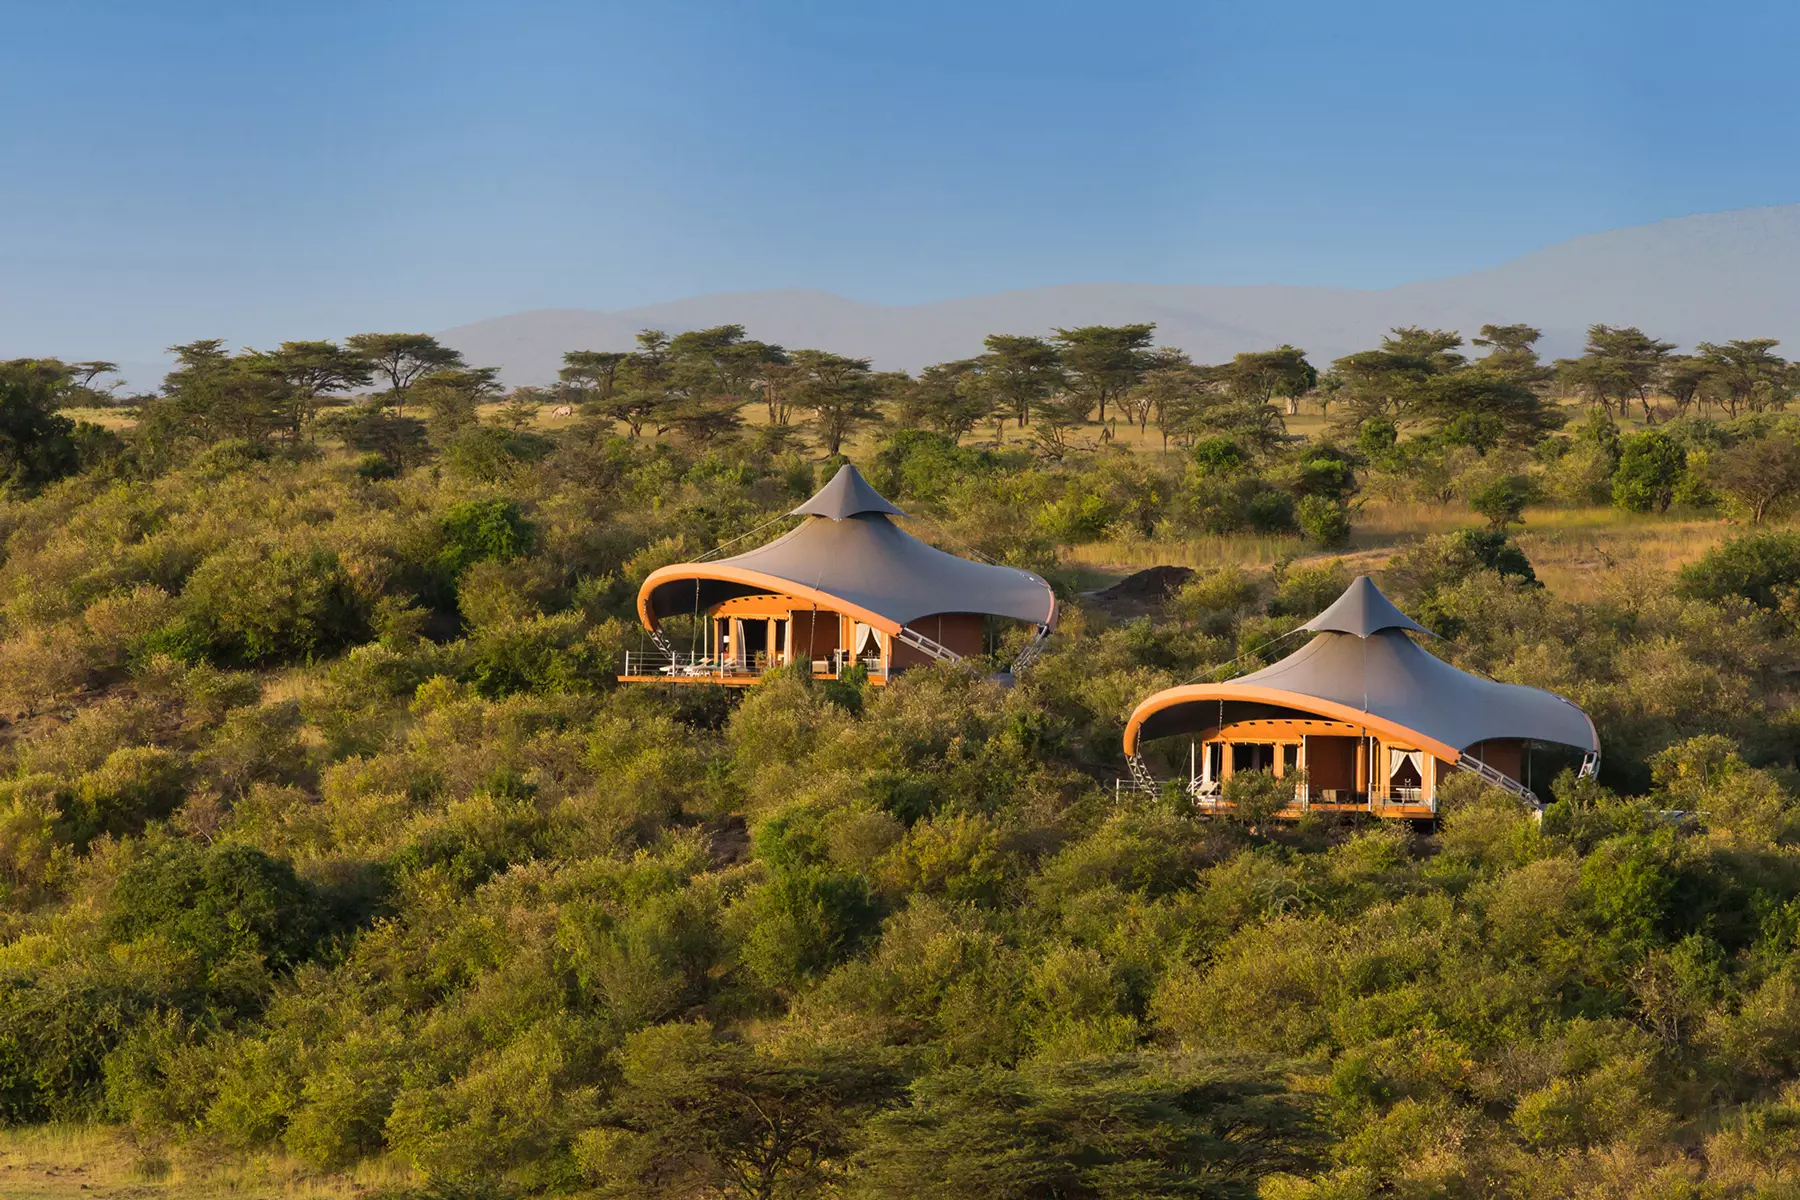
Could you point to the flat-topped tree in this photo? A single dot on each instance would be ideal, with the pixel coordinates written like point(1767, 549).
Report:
point(315, 369)
point(1021, 372)
point(212, 395)
point(950, 398)
point(1512, 353)
point(840, 393)
point(1264, 375)
point(595, 371)
point(1619, 365)
point(401, 359)
point(1747, 374)
point(1103, 361)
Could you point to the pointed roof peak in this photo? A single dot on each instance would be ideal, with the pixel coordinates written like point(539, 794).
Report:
point(847, 495)
point(1363, 610)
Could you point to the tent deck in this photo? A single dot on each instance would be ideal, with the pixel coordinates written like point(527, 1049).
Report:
point(657, 667)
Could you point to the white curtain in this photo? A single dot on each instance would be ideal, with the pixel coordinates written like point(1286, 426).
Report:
point(1398, 758)
point(866, 639)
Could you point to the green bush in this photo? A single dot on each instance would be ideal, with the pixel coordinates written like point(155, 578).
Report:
point(1502, 500)
point(219, 903)
point(1651, 466)
point(477, 530)
point(1326, 522)
point(265, 602)
point(1762, 568)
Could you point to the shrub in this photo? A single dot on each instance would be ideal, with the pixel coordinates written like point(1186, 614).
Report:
point(1760, 567)
point(1270, 511)
point(1502, 501)
point(1256, 796)
point(1326, 522)
point(1218, 456)
point(804, 921)
point(265, 602)
point(1650, 469)
point(218, 903)
point(476, 530)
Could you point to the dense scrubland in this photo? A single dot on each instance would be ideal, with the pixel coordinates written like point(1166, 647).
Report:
point(328, 840)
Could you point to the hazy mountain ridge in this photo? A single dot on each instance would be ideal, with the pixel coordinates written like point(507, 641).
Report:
point(1686, 279)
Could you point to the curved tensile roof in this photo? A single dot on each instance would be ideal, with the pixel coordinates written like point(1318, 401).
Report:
point(1380, 679)
point(849, 557)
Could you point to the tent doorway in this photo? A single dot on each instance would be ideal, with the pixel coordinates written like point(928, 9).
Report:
point(1406, 771)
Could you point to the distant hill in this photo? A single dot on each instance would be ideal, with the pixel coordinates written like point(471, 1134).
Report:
point(1688, 279)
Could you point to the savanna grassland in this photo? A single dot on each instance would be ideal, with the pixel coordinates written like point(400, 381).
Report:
point(334, 861)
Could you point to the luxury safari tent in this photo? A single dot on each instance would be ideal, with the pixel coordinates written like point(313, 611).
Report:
point(1364, 717)
point(845, 586)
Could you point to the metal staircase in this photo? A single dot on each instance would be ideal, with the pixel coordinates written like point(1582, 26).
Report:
point(1032, 649)
point(924, 645)
point(1141, 778)
point(1505, 783)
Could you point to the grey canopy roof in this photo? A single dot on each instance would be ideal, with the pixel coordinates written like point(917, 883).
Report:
point(1363, 610)
point(848, 550)
point(1382, 673)
point(847, 495)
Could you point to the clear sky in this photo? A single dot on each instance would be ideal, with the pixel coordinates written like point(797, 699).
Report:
point(261, 169)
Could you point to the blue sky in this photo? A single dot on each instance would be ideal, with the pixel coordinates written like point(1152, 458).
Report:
point(259, 171)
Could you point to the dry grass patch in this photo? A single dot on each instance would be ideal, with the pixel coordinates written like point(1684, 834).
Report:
point(93, 1162)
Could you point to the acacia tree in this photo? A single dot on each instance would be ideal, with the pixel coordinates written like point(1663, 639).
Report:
point(1687, 378)
point(1512, 354)
point(1618, 366)
point(402, 358)
point(692, 1115)
point(711, 373)
point(314, 369)
point(839, 392)
point(1481, 408)
point(1178, 395)
point(950, 398)
point(36, 442)
point(593, 373)
point(1104, 361)
point(1263, 375)
point(1746, 374)
point(1021, 372)
point(212, 395)
point(638, 391)
point(454, 398)
point(1761, 474)
point(1387, 383)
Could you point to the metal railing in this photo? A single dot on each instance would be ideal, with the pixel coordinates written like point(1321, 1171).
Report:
point(681, 665)
point(1207, 795)
point(1505, 783)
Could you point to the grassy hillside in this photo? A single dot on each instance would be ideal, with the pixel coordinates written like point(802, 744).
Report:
point(335, 861)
